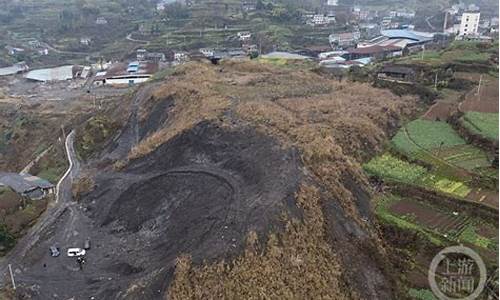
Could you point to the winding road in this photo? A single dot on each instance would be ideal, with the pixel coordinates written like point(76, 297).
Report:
point(52, 213)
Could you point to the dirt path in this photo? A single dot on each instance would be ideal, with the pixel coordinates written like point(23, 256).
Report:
point(129, 135)
point(34, 161)
point(53, 212)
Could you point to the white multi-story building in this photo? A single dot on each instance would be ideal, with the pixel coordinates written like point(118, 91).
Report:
point(469, 23)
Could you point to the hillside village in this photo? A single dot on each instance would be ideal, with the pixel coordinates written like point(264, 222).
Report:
point(349, 141)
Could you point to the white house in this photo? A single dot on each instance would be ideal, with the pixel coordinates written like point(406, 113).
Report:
point(85, 41)
point(43, 51)
point(101, 21)
point(320, 19)
point(244, 36)
point(180, 56)
point(469, 23)
point(207, 52)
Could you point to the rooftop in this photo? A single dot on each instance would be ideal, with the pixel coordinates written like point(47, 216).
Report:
point(122, 69)
point(374, 49)
point(408, 34)
point(51, 74)
point(23, 183)
point(284, 55)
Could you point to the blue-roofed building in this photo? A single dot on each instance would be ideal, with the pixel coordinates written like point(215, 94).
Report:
point(407, 41)
point(133, 67)
point(417, 37)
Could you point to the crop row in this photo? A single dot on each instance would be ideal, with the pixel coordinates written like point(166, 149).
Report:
point(392, 168)
point(485, 124)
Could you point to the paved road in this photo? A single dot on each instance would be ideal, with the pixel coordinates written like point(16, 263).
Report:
point(53, 212)
point(130, 38)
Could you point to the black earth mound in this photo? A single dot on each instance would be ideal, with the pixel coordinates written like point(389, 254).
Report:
point(199, 194)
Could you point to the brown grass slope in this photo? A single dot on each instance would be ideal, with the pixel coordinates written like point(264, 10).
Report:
point(332, 253)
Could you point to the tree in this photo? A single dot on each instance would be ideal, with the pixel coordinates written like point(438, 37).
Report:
point(260, 5)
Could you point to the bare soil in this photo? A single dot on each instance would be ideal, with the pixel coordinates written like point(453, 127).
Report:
point(487, 101)
point(253, 182)
point(440, 111)
point(427, 216)
point(487, 197)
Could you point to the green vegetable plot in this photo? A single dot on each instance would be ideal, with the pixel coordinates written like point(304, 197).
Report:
point(485, 124)
point(425, 135)
point(392, 168)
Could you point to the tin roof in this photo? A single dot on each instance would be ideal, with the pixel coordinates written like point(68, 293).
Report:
point(374, 49)
point(23, 183)
point(51, 74)
point(284, 55)
point(408, 34)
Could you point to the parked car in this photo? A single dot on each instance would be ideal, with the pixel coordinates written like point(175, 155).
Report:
point(76, 252)
point(54, 251)
point(86, 244)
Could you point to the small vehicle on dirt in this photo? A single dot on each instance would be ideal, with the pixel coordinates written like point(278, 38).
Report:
point(72, 252)
point(54, 251)
point(86, 244)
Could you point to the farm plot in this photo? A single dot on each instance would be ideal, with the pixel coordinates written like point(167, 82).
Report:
point(484, 124)
point(437, 144)
point(421, 135)
point(438, 224)
point(486, 197)
point(391, 168)
point(486, 101)
point(467, 157)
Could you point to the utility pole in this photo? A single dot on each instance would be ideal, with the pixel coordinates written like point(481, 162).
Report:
point(12, 277)
point(423, 51)
point(64, 133)
point(479, 87)
point(436, 81)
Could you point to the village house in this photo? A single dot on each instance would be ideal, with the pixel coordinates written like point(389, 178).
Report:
point(369, 30)
point(101, 21)
point(14, 50)
point(244, 36)
point(26, 185)
point(344, 39)
point(144, 55)
point(386, 22)
point(34, 44)
point(207, 52)
point(360, 13)
point(123, 74)
point(85, 41)
point(396, 74)
point(375, 51)
point(181, 56)
point(248, 5)
point(14, 69)
point(402, 13)
point(43, 51)
point(469, 24)
point(319, 20)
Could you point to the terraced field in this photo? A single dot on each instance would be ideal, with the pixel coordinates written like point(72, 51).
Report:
point(423, 135)
point(467, 157)
point(439, 225)
point(484, 124)
point(437, 144)
point(391, 168)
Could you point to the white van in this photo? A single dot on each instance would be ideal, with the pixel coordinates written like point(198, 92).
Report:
point(76, 252)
